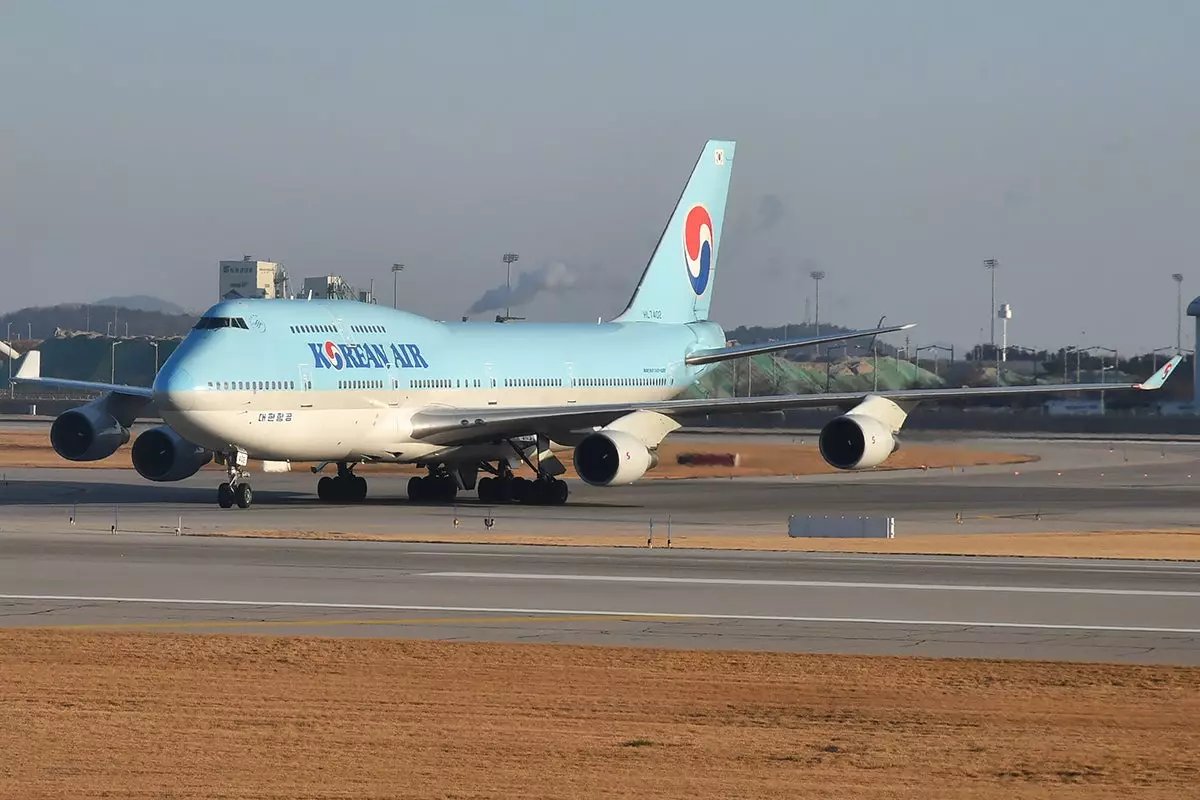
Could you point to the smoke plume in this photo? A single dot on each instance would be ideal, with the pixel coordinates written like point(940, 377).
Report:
point(553, 278)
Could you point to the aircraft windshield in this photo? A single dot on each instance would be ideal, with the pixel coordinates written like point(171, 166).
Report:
point(211, 323)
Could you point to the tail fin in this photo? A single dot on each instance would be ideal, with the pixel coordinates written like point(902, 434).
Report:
point(677, 284)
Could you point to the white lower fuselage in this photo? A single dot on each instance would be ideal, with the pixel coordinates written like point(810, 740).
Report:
point(290, 381)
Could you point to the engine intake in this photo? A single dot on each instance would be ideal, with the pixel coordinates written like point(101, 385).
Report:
point(160, 454)
point(856, 441)
point(612, 458)
point(87, 433)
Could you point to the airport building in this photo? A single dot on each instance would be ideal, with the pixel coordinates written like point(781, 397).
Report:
point(252, 278)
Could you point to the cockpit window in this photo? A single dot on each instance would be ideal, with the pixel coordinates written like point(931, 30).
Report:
point(212, 323)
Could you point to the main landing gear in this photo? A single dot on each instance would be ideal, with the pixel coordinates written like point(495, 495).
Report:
point(345, 487)
point(507, 488)
point(544, 490)
point(237, 488)
point(438, 486)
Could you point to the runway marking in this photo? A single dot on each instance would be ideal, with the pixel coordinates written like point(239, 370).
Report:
point(306, 623)
point(667, 616)
point(947, 587)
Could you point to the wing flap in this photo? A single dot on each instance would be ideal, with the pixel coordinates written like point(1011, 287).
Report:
point(744, 350)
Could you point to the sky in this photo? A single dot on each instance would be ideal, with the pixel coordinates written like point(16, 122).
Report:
point(894, 145)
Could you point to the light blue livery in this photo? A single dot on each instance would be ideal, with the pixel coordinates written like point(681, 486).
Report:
point(343, 383)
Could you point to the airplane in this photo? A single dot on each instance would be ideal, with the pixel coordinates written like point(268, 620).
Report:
point(337, 382)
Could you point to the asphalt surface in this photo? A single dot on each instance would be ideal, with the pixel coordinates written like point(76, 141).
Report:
point(1074, 486)
point(56, 573)
point(1122, 611)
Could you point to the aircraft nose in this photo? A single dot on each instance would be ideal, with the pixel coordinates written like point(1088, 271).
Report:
point(174, 389)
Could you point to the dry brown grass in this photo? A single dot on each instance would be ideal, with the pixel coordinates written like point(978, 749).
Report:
point(1161, 545)
point(24, 449)
point(86, 715)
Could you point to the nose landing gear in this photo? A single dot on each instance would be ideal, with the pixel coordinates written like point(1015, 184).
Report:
point(237, 488)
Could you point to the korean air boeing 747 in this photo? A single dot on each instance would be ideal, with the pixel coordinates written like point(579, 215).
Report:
point(344, 383)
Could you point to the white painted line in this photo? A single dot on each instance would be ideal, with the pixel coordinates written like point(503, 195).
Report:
point(663, 615)
point(922, 587)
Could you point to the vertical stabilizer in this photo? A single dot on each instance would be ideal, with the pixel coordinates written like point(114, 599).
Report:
point(677, 285)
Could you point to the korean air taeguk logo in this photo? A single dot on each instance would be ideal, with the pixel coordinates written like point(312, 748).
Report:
point(699, 244)
point(335, 358)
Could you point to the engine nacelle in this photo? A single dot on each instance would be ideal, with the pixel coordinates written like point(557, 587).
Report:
point(612, 458)
point(856, 441)
point(161, 454)
point(87, 433)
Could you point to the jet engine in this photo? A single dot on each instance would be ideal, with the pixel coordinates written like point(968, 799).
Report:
point(856, 441)
point(612, 458)
point(161, 454)
point(87, 433)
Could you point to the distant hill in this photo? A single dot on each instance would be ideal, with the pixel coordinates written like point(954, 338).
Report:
point(141, 302)
point(43, 323)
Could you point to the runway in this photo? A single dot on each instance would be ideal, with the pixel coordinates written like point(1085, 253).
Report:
point(77, 574)
point(1127, 611)
point(1074, 486)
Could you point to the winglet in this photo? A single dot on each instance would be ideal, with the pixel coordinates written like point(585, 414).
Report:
point(31, 367)
point(1156, 380)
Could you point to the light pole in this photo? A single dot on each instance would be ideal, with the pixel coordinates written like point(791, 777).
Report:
point(1178, 278)
point(990, 265)
point(8, 341)
point(112, 361)
point(509, 258)
point(817, 275)
point(154, 344)
point(396, 270)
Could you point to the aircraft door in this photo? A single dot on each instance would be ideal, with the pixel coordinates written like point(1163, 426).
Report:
point(305, 386)
point(572, 391)
point(490, 389)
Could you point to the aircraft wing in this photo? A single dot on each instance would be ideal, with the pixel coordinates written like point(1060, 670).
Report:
point(124, 402)
point(459, 426)
point(744, 350)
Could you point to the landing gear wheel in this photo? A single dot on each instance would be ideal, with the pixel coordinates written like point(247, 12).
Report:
point(432, 489)
point(558, 492)
point(326, 489)
point(225, 496)
point(416, 489)
point(244, 495)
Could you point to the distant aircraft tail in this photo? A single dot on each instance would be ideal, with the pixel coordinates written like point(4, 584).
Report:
point(677, 285)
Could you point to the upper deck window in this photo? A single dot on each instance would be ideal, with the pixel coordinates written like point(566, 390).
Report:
point(212, 323)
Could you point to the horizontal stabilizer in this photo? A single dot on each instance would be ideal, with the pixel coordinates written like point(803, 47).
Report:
point(8, 352)
point(745, 350)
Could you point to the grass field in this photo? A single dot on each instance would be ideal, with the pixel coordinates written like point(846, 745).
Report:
point(89, 715)
point(1162, 545)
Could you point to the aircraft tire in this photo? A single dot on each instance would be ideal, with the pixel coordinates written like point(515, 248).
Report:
point(416, 489)
point(225, 496)
point(326, 489)
point(244, 495)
